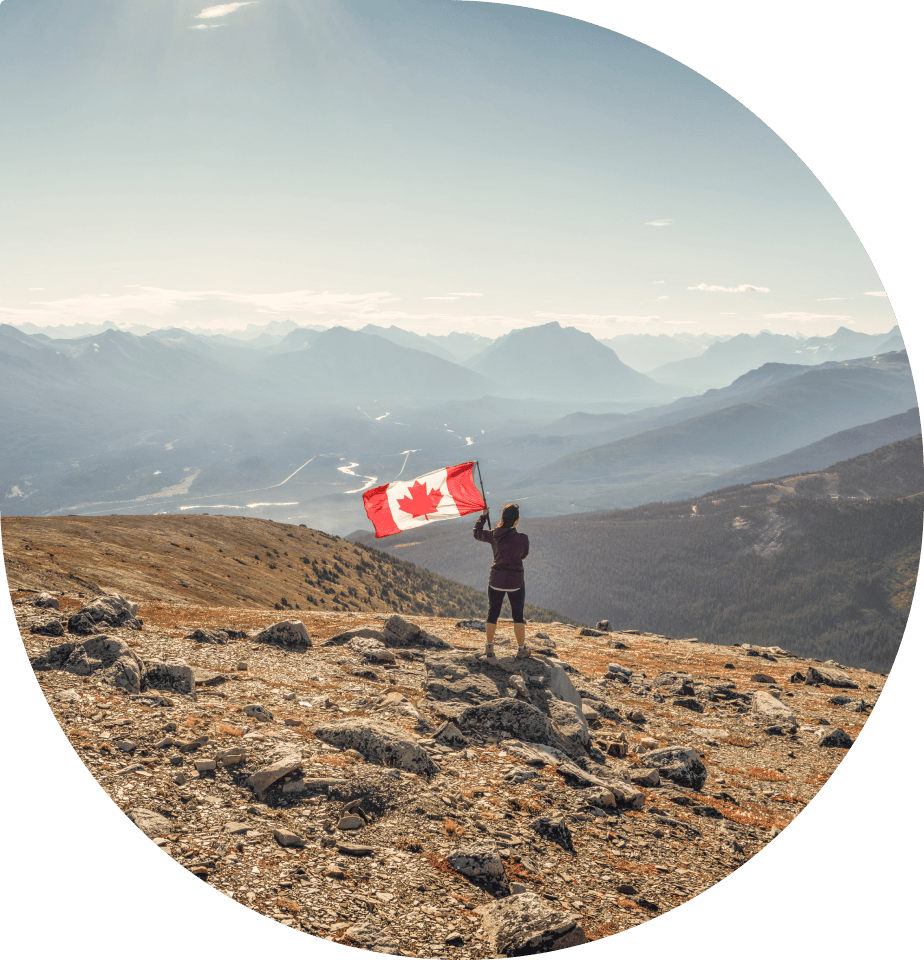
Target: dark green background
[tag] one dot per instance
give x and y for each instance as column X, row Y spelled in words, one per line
column 840, row 83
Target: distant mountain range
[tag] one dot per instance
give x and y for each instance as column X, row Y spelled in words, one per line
column 645, row 351
column 725, row 360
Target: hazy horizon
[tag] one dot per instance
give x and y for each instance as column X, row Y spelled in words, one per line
column 435, row 165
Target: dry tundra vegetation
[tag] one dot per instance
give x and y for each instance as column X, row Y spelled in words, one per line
column 371, row 778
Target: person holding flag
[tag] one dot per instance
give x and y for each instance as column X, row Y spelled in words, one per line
column 510, row 548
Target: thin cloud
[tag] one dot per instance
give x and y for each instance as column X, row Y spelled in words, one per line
column 439, row 298
column 659, row 223
column 207, row 26
column 803, row 316
column 658, row 281
column 875, row 293
column 453, row 294
column 825, row 299
column 665, row 297
column 222, row 10
column 594, row 317
column 741, row 288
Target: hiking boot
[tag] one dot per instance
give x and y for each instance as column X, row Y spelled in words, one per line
column 489, row 651
column 523, row 652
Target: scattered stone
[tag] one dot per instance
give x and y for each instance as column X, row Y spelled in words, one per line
column 291, row 634
column 524, row 924
column 835, row 738
column 472, row 625
column 520, row 774
column 351, row 823
column 797, row 677
column 355, row 849
column 46, row 601
column 205, row 766
column 829, row 676
column 682, row 765
column 604, row 626
column 370, row 937
column 645, row 778
column 218, row 637
column 589, row 632
column 449, row 735
column 264, row 778
column 242, row 666
column 51, row 628
column 149, row 821
column 378, row 742
column 173, row 675
column 688, row 703
column 766, row 705
column 590, row 714
column 286, row 838
column 555, row 831
column 762, row 678
column 258, row 712
column 636, row 716
column 477, row 863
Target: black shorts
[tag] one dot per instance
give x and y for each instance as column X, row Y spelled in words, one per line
column 496, row 598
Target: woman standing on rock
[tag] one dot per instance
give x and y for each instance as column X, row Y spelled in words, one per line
column 506, row 577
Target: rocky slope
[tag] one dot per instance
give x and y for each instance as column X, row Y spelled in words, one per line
column 373, row 780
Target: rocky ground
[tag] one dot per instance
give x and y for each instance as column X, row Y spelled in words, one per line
column 376, row 781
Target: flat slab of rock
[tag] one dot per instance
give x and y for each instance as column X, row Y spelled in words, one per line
column 379, row 742
column 264, row 778
column 285, row 838
column 524, row 924
column 766, row 705
column 218, row 637
column 291, row 634
column 355, row 849
column 828, row 676
column 625, row 794
column 149, row 821
column 370, row 937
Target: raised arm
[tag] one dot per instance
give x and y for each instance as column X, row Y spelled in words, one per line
column 479, row 532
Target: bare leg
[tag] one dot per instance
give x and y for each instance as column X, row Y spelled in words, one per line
column 489, row 629
column 519, row 631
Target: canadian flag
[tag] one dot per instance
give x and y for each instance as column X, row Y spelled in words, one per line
column 441, row 495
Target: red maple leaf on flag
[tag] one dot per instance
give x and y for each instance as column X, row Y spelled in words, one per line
column 421, row 501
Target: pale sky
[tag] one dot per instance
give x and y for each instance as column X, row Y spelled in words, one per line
column 435, row 164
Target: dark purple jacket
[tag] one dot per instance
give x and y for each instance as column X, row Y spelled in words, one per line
column 509, row 548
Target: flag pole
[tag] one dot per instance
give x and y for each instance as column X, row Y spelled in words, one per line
column 483, row 494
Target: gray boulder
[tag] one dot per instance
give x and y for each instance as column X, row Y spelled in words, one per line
column 766, row 705
column 449, row 735
column 378, row 742
column 472, row 625
column 174, row 675
column 149, row 822
column 266, row 776
column 47, row 601
column 474, row 691
column 258, row 712
column 51, row 628
column 524, row 924
column 835, row 738
column 555, row 831
column 682, row 765
column 111, row 658
column 604, row 626
column 477, row 863
column 399, row 632
column 291, row 634
column 111, row 610
column 218, row 637
column 828, row 676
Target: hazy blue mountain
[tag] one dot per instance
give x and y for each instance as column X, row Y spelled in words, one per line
column 646, row 351
column 555, row 361
column 405, row 338
column 300, row 339
column 723, row 361
column 461, row 346
column 347, row 364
